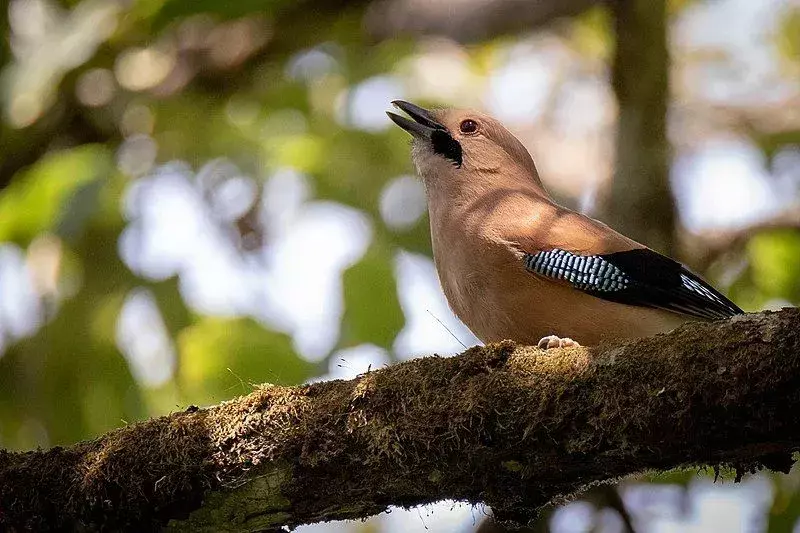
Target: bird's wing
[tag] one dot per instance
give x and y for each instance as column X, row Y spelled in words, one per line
column 571, row 248
column 636, row 277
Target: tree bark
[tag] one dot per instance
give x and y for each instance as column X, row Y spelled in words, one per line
column 510, row 426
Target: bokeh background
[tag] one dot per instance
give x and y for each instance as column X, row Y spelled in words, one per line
column 199, row 195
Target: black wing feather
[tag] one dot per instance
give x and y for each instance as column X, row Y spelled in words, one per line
column 636, row 277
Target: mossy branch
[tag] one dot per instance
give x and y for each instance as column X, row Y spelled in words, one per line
column 506, row 425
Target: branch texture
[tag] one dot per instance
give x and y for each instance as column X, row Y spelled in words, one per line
column 511, row 426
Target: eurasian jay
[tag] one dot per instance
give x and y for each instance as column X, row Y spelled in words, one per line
column 515, row 265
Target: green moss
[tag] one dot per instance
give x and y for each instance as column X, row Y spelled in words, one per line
column 253, row 505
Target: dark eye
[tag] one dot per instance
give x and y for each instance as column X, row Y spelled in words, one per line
column 468, row 126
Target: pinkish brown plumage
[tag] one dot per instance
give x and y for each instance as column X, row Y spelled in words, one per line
column 515, row 265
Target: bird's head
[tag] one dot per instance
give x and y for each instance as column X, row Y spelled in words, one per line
column 464, row 146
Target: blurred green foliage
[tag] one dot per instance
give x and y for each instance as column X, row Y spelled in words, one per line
column 788, row 37
column 41, row 196
column 69, row 380
column 374, row 324
column 775, row 263
column 246, row 346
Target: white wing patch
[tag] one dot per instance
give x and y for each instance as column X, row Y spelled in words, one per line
column 699, row 289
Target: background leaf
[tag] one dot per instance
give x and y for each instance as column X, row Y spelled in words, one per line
column 220, row 358
column 372, row 309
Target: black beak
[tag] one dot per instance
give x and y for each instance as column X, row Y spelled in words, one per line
column 423, row 124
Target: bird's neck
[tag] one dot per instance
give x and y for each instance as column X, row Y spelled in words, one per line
column 481, row 208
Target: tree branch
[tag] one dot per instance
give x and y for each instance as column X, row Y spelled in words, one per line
column 506, row 425
column 709, row 246
column 467, row 21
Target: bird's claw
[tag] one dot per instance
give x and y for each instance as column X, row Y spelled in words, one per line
column 554, row 341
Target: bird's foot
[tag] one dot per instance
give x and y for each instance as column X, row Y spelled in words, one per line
column 554, row 341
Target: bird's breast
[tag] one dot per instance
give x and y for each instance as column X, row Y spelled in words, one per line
column 474, row 277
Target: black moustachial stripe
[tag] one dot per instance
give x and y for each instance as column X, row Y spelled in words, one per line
column 444, row 145
column 635, row 277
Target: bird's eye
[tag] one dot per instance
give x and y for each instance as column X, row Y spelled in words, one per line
column 468, row 127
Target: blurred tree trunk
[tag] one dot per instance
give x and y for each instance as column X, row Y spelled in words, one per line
column 640, row 203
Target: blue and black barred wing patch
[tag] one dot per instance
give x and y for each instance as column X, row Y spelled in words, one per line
column 634, row 277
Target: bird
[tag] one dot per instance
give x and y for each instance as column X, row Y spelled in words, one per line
column 514, row 264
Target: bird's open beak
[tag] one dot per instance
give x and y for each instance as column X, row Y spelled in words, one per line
column 423, row 124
